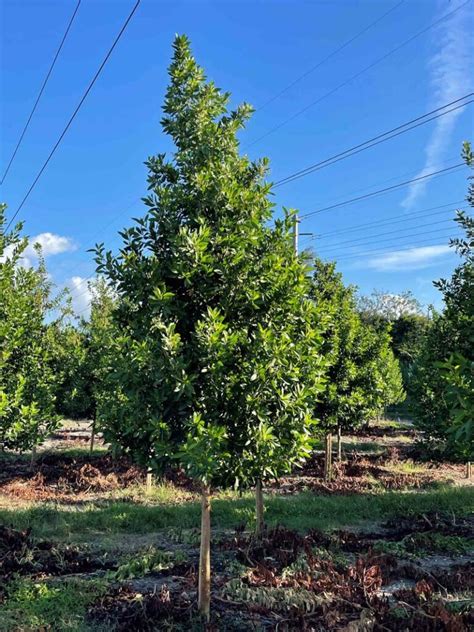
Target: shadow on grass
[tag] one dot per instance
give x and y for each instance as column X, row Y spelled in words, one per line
column 301, row 511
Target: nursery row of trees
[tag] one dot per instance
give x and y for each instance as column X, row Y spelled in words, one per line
column 211, row 345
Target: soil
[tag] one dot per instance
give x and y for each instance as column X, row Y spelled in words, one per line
column 408, row 574
column 20, row 554
column 320, row 582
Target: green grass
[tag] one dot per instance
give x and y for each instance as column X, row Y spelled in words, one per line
column 33, row 605
column 362, row 446
column 408, row 467
column 301, row 511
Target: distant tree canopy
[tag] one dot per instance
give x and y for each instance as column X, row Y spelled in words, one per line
column 363, row 375
column 444, row 376
column 402, row 316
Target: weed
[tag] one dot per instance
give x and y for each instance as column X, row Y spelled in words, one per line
column 151, row 560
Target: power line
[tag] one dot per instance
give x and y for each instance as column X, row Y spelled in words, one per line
column 371, row 187
column 385, row 190
column 389, row 220
column 358, row 74
column 328, row 57
column 90, row 277
column 46, row 79
column 367, row 241
column 380, row 138
column 393, row 248
column 63, row 133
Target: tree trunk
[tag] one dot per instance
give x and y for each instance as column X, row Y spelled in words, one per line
column 328, row 458
column 92, row 437
column 204, row 589
column 149, row 480
column 259, row 509
column 339, row 443
column 33, row 457
column 468, row 469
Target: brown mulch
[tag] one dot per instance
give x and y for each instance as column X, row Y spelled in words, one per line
column 349, row 596
column 62, row 477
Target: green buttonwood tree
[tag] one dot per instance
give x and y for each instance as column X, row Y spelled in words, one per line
column 216, row 357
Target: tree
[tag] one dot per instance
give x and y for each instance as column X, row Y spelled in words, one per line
column 70, row 365
column 402, row 316
column 216, row 361
column 388, row 307
column 363, row 375
column 27, row 380
column 443, row 377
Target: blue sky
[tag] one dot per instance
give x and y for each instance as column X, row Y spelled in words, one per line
column 93, row 184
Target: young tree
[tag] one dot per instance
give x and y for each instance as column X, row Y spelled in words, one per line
column 363, row 375
column 443, row 378
column 216, row 356
column 71, row 368
column 27, row 381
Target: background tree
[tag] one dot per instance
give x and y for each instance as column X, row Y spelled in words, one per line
column 363, row 375
column 27, row 379
column 70, row 364
column 443, row 378
column 216, row 362
column 402, row 316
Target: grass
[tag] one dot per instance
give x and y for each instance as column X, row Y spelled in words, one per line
column 301, row 511
column 31, row 605
column 362, row 446
column 408, row 467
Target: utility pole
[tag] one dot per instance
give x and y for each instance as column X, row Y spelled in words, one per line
column 296, row 233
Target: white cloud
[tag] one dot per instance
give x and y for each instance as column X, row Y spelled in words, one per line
column 410, row 259
column 50, row 243
column 450, row 70
column 81, row 295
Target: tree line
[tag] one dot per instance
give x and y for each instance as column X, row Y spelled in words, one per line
column 211, row 345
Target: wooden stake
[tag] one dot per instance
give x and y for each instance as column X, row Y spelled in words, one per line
column 92, row 437
column 468, row 469
column 149, row 480
column 204, row 588
column 328, row 458
column 259, row 509
column 339, row 443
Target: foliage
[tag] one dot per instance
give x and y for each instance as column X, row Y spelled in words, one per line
column 152, row 560
column 99, row 332
column 80, row 356
column 71, row 368
column 27, row 379
column 444, row 373
column 401, row 315
column 458, row 374
column 216, row 359
column 363, row 375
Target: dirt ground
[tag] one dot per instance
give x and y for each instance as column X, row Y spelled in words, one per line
column 376, row 460
column 348, row 580
column 412, row 573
